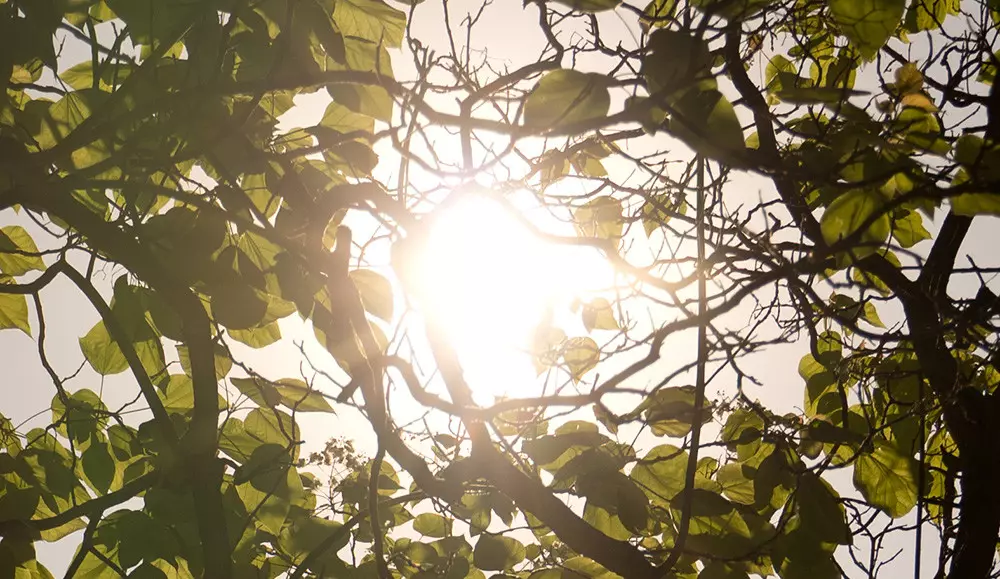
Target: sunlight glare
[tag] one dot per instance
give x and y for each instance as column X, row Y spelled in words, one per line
column 488, row 282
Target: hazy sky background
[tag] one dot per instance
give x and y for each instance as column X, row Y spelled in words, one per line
column 511, row 37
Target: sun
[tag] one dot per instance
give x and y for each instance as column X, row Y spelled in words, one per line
column 487, row 280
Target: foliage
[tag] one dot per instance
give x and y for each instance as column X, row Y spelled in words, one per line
column 147, row 162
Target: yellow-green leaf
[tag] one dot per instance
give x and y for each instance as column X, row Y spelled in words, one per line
column 18, row 252
column 102, row 352
column 14, row 312
column 566, row 96
column 581, row 356
column 599, row 315
column 887, row 480
column 601, row 217
column 868, row 24
column 375, row 291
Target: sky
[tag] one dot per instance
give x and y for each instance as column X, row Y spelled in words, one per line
column 500, row 296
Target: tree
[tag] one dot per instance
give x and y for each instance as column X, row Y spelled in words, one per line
column 143, row 164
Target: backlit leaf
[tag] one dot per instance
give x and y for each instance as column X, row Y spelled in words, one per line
column 887, row 479
column 102, row 352
column 375, row 291
column 601, row 217
column 581, row 356
column 599, row 315
column 497, row 553
column 14, row 312
column 566, row 96
column 868, row 24
column 17, row 250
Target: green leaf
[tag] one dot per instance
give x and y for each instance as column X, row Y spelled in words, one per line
column 237, row 306
column 661, row 473
column 670, row 411
column 497, row 553
column 847, row 213
column 599, row 315
column 868, row 24
column 299, row 396
column 633, row 506
column 223, row 363
column 261, row 392
column 371, row 20
column 375, row 291
column 909, row 229
column 736, row 484
column 590, row 5
column 102, row 352
column 178, row 394
column 99, row 466
column 16, row 252
column 432, row 525
column 601, row 217
column 588, row 568
column 887, row 479
column 821, row 513
column 581, row 356
column 720, row 570
column 707, row 122
column 657, row 13
column 926, row 15
column 14, row 312
column 272, row 426
column 259, row 337
column 563, row 97
column 305, row 534
column 676, row 60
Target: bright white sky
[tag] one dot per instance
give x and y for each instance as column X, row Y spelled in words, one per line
column 487, row 277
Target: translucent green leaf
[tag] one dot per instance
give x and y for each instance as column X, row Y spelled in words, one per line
column 657, row 13
column 670, row 411
column 259, row 337
column 848, row 212
column 676, row 60
column 371, row 20
column 661, row 472
column 102, row 352
column 633, row 506
column 375, row 291
column 581, row 356
column 14, row 312
column 720, row 570
column 601, row 217
column 343, row 120
column 497, row 553
column 305, row 534
column 566, row 96
column 223, row 363
column 99, row 466
column 820, row 511
column 590, row 5
column 299, row 396
column 887, row 479
column 909, row 229
column 925, row 15
column 707, row 122
column 599, row 315
column 17, row 251
column 736, row 484
column 273, row 427
column 178, row 394
column 432, row 525
column 261, row 392
column 237, row 306
column 868, row 24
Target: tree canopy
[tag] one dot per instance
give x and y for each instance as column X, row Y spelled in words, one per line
column 220, row 178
